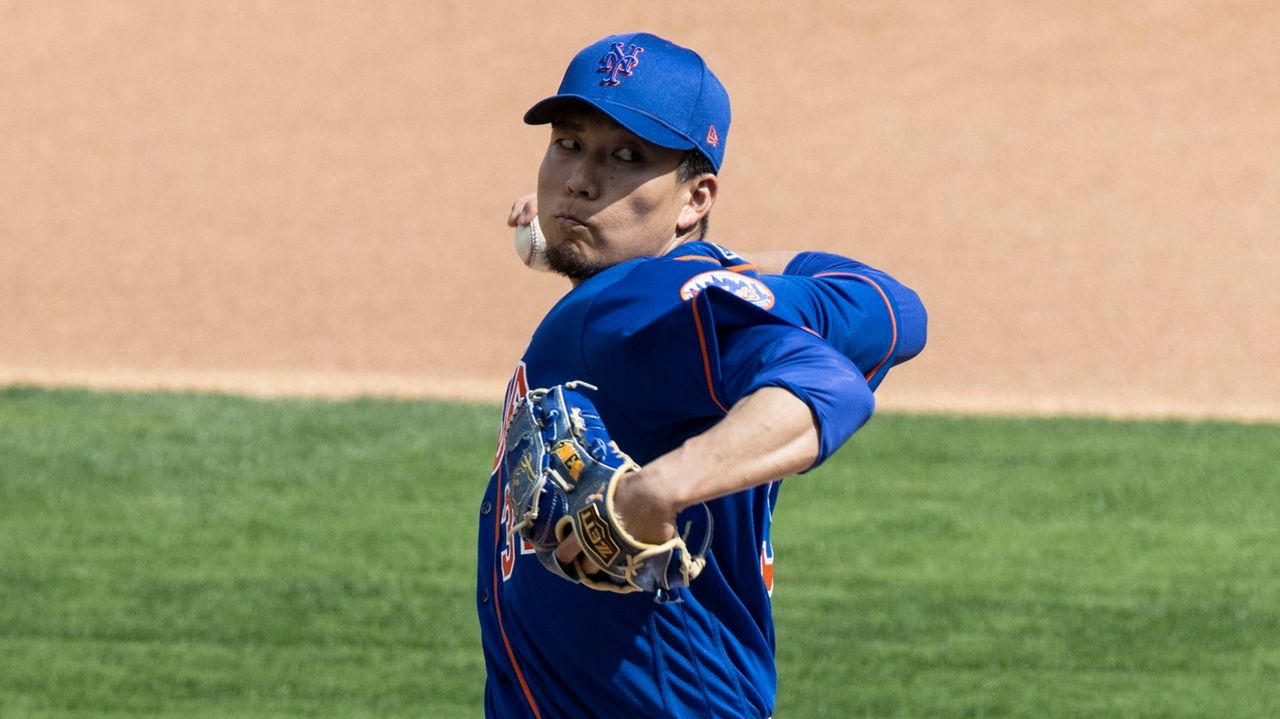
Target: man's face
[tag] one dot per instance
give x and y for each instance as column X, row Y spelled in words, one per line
column 605, row 196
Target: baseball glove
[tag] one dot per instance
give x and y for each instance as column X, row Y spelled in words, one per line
column 562, row 469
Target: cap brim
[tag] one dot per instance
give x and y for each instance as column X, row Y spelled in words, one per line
column 638, row 123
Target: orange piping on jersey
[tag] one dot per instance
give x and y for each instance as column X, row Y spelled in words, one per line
column 893, row 318
column 497, row 607
column 712, row 260
column 706, row 359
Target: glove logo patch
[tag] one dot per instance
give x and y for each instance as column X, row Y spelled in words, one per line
column 573, row 463
column 741, row 286
column 597, row 535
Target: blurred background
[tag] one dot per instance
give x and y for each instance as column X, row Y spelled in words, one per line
column 310, row 197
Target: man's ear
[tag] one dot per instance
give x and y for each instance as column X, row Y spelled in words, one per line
column 702, row 195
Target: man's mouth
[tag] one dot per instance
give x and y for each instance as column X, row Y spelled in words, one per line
column 567, row 220
column 571, row 227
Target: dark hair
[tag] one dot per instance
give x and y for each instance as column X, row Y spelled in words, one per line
column 692, row 164
column 695, row 163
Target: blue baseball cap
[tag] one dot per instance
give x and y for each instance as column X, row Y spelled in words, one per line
column 656, row 89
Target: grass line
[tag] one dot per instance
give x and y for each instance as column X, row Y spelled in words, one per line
column 189, row 556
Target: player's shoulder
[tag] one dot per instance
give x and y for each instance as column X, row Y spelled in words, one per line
column 657, row 284
column 710, row 252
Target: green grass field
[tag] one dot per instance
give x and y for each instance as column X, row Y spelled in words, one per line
column 196, row 556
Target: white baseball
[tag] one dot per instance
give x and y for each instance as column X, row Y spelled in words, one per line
column 531, row 246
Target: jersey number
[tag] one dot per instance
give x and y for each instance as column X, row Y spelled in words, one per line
column 508, row 556
column 766, row 565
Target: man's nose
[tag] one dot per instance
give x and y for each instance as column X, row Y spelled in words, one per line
column 582, row 181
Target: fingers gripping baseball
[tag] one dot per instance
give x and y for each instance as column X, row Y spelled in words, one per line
column 530, row 243
column 523, row 210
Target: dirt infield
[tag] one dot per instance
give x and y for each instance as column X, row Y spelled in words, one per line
column 308, row 197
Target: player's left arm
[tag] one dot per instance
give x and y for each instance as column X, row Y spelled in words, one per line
column 768, row 435
column 791, row 400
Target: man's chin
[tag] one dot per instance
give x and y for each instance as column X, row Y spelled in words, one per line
column 568, row 260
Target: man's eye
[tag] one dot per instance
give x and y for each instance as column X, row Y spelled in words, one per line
column 626, row 154
column 567, row 144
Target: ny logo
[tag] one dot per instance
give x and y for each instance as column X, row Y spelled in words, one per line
column 616, row 62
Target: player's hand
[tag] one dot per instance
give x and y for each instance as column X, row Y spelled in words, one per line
column 523, row 210
column 642, row 511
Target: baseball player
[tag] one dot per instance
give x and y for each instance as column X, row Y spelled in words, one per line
column 642, row 589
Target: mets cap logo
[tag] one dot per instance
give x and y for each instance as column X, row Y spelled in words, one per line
column 616, row 62
column 740, row 286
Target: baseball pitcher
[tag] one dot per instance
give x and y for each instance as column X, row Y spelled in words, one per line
column 625, row 561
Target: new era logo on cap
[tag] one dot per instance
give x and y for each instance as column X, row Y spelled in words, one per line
column 654, row 88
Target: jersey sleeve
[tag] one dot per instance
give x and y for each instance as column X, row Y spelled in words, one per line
column 868, row 315
column 677, row 363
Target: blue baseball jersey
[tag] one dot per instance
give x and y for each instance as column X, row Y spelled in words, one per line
column 672, row 343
